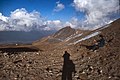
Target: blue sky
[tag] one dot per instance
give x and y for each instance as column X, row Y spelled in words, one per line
column 45, row 7
column 56, row 14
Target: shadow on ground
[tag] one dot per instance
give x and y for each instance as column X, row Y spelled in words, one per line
column 68, row 67
column 18, row 49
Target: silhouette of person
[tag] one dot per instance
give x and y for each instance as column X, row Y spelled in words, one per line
column 101, row 41
column 68, row 67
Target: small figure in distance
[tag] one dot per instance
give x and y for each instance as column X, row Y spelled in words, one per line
column 102, row 41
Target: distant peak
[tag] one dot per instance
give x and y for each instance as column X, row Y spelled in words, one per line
column 64, row 32
column 67, row 27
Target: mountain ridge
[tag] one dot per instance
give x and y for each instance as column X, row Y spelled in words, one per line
column 74, row 35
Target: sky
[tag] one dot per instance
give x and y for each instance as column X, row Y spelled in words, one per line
column 45, row 7
column 27, row 15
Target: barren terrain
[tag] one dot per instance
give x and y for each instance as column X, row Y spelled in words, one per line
column 43, row 60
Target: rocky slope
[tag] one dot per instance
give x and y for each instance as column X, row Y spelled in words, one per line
column 92, row 61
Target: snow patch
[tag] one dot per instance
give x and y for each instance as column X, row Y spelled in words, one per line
column 73, row 36
column 87, row 37
column 105, row 26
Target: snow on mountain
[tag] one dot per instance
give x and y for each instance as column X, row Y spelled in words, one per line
column 73, row 36
column 87, row 37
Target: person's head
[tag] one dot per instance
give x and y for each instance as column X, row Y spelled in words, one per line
column 66, row 55
column 66, row 52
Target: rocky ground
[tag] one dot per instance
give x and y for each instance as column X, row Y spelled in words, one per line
column 47, row 65
column 100, row 64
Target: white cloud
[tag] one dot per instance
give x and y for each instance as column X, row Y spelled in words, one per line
column 21, row 20
column 3, row 17
column 74, row 23
column 98, row 12
column 59, row 7
column 55, row 24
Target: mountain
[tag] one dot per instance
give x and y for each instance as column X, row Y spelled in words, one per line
column 64, row 33
column 57, row 39
column 22, row 36
column 70, row 36
column 91, row 55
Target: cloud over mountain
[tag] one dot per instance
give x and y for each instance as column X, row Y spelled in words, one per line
column 55, row 24
column 25, row 20
column 98, row 12
column 22, row 20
